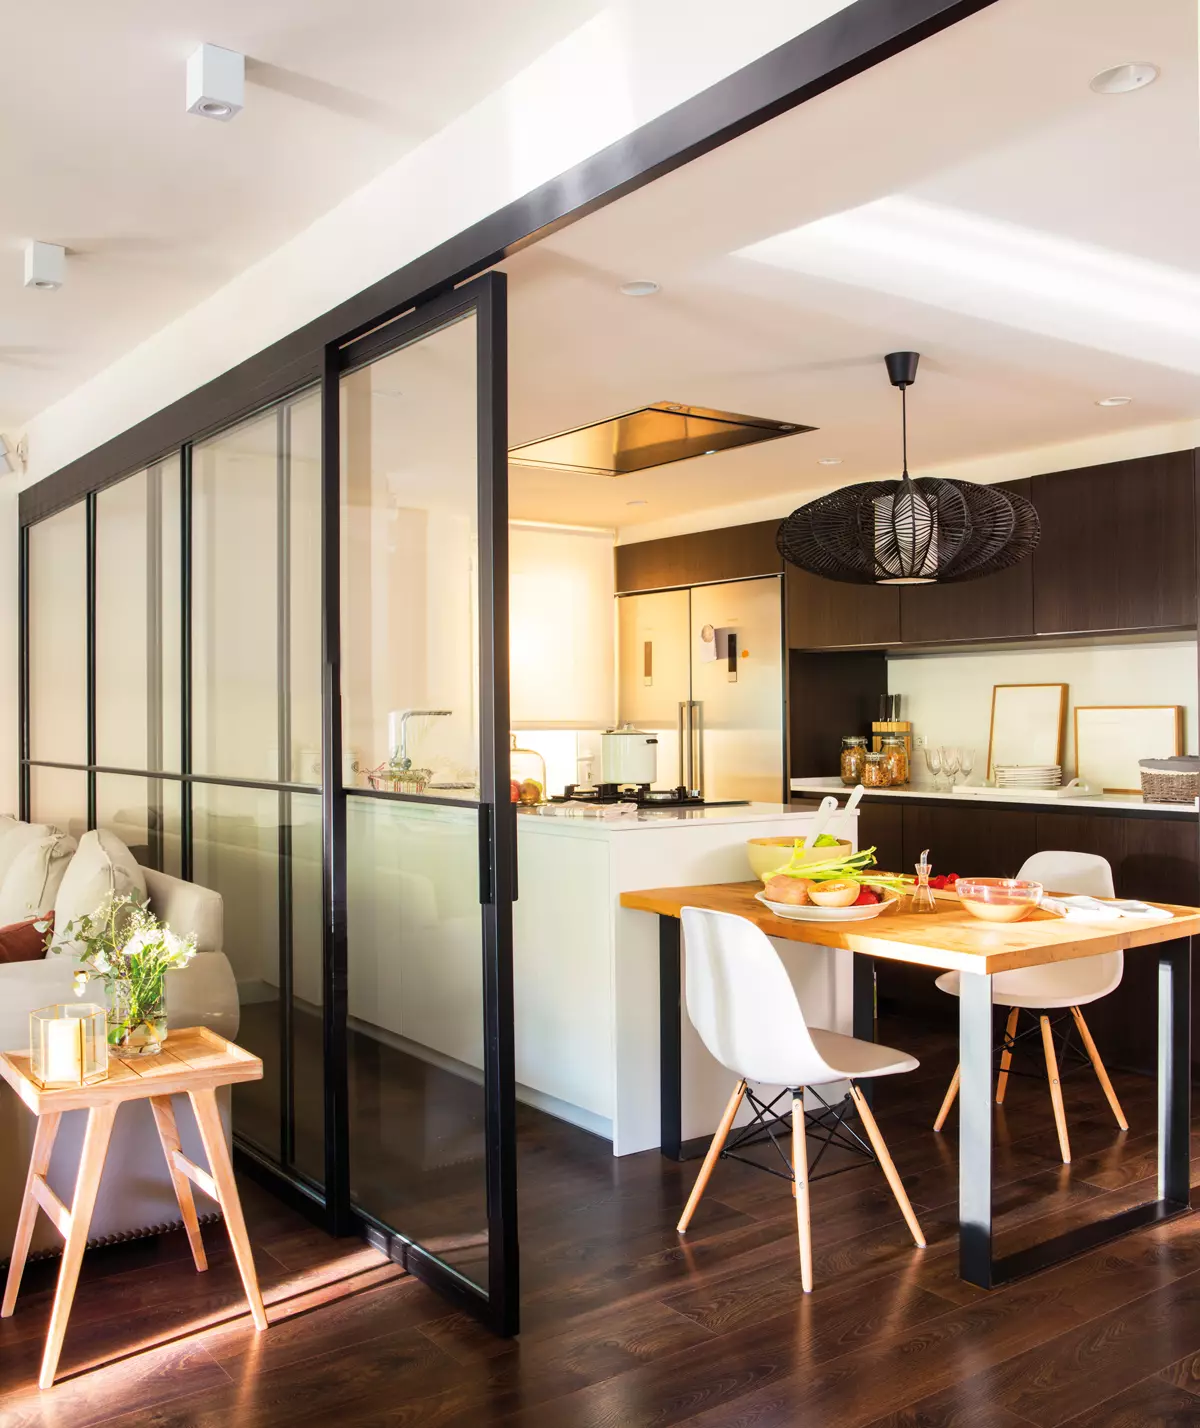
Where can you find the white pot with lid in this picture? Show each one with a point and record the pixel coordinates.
(628, 755)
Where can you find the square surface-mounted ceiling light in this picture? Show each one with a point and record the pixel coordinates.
(649, 436)
(45, 265)
(216, 82)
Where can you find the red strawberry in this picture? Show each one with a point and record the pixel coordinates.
(865, 897)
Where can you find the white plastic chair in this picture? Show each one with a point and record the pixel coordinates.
(1060, 985)
(741, 1001)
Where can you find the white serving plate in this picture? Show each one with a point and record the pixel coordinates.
(809, 912)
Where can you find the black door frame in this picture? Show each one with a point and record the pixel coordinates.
(486, 297)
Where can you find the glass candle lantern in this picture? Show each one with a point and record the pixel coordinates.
(68, 1046)
(527, 772)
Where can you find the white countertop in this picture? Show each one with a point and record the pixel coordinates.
(649, 818)
(1125, 801)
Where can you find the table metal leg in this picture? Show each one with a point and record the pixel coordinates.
(865, 1011)
(975, 1129)
(1175, 1072)
(976, 1262)
(670, 1046)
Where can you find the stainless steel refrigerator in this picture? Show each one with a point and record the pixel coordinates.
(703, 668)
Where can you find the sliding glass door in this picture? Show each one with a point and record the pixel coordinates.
(428, 828)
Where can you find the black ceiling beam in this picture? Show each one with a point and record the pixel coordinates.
(846, 44)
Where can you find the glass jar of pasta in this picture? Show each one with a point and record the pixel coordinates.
(876, 772)
(895, 751)
(854, 756)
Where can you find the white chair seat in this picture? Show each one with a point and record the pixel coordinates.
(1061, 984)
(856, 1060)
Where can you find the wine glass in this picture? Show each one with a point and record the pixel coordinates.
(950, 764)
(933, 761)
(967, 764)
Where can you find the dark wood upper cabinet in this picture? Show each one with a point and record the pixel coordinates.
(996, 607)
(1118, 548)
(735, 553)
(830, 693)
(828, 614)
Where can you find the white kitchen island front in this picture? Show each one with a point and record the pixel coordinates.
(586, 969)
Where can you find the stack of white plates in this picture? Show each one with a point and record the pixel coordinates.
(1028, 775)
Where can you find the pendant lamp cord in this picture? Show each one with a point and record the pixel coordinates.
(904, 425)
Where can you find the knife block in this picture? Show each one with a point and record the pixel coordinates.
(903, 727)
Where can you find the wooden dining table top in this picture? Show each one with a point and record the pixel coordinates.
(950, 939)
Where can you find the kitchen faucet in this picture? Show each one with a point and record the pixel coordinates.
(408, 714)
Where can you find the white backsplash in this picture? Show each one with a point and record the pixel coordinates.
(948, 696)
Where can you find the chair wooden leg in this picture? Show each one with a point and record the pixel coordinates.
(710, 1160)
(39, 1164)
(1060, 1114)
(1101, 1074)
(212, 1134)
(800, 1173)
(949, 1101)
(1006, 1055)
(885, 1160)
(87, 1184)
(168, 1134)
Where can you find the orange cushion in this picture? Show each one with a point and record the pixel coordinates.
(22, 942)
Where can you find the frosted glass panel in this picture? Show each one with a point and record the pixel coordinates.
(138, 561)
(144, 814)
(58, 637)
(410, 562)
(256, 626)
(59, 797)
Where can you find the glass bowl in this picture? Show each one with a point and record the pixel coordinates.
(998, 899)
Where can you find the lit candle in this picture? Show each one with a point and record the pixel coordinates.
(64, 1051)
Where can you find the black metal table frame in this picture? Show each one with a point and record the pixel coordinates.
(977, 1262)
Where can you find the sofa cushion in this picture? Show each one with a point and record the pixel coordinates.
(102, 868)
(188, 909)
(23, 941)
(18, 836)
(30, 886)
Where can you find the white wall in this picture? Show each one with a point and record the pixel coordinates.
(948, 697)
(9, 746)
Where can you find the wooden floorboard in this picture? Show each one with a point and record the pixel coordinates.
(629, 1325)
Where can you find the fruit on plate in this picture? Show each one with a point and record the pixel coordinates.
(530, 791)
(837, 892)
(514, 790)
(793, 891)
(867, 897)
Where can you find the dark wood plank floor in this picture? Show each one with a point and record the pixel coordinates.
(628, 1326)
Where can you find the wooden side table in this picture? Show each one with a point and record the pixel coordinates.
(195, 1062)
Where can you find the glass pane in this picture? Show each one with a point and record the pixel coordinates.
(58, 637)
(410, 561)
(256, 616)
(144, 814)
(261, 851)
(138, 620)
(59, 797)
(417, 1149)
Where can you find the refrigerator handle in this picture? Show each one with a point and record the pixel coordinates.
(685, 741)
(697, 723)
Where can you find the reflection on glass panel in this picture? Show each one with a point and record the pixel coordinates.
(261, 850)
(59, 797)
(58, 637)
(416, 1026)
(144, 814)
(410, 560)
(138, 620)
(256, 626)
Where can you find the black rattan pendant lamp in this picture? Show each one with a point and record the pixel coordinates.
(909, 532)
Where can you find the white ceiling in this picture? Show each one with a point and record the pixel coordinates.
(158, 208)
(971, 199)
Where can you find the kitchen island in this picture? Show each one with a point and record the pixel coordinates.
(586, 969)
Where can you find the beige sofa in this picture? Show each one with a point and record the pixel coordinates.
(136, 1196)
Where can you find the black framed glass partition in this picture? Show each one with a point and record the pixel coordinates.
(321, 587)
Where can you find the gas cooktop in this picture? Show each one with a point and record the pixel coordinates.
(641, 794)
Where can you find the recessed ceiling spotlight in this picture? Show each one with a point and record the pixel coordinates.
(216, 82)
(713, 452)
(829, 460)
(637, 503)
(640, 287)
(1124, 78)
(1114, 401)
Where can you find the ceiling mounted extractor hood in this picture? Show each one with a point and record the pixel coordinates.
(649, 436)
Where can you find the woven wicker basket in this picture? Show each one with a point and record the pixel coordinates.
(1170, 780)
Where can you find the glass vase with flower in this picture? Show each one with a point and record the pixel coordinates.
(125, 946)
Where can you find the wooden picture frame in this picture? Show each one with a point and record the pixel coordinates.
(1111, 738)
(1033, 720)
